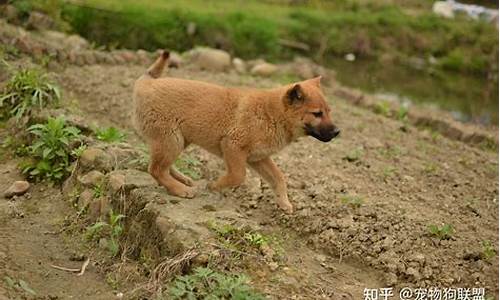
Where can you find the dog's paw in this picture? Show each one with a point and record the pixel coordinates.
(185, 192)
(286, 207)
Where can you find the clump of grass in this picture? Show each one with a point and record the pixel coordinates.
(110, 230)
(383, 108)
(26, 90)
(51, 153)
(444, 232)
(110, 135)
(189, 166)
(488, 250)
(351, 200)
(205, 283)
(353, 155)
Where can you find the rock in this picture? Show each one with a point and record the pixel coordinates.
(85, 198)
(16, 189)
(39, 21)
(211, 59)
(143, 56)
(175, 60)
(10, 12)
(391, 279)
(76, 42)
(95, 159)
(91, 179)
(443, 9)
(413, 273)
(116, 182)
(265, 69)
(350, 57)
(239, 65)
(129, 179)
(29, 46)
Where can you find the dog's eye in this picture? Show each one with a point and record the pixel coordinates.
(318, 114)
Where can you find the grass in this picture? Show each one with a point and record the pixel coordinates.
(354, 155)
(110, 230)
(205, 283)
(444, 232)
(26, 90)
(110, 135)
(351, 200)
(188, 166)
(488, 250)
(51, 153)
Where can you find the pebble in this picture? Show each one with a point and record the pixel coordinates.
(16, 189)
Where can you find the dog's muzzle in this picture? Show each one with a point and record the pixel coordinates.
(323, 133)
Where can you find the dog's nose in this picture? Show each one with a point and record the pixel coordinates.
(335, 132)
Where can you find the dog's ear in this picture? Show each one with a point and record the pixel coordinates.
(317, 81)
(295, 95)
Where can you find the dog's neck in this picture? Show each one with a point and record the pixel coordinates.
(284, 128)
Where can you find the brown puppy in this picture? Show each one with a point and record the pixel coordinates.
(243, 126)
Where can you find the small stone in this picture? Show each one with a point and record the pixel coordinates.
(391, 279)
(16, 189)
(239, 65)
(103, 243)
(95, 159)
(91, 179)
(265, 69)
(116, 182)
(39, 21)
(273, 266)
(85, 198)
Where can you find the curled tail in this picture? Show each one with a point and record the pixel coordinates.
(157, 67)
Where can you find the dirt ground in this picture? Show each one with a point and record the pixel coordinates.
(363, 205)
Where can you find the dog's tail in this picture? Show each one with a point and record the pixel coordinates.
(157, 67)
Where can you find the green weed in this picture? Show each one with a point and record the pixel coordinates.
(352, 200)
(204, 283)
(110, 230)
(443, 233)
(488, 250)
(353, 155)
(383, 108)
(188, 166)
(51, 150)
(19, 285)
(26, 90)
(110, 135)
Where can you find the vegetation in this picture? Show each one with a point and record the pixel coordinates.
(110, 135)
(330, 28)
(204, 283)
(111, 231)
(353, 201)
(189, 166)
(26, 90)
(442, 232)
(488, 250)
(51, 153)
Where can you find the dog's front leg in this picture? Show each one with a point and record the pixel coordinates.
(235, 159)
(273, 175)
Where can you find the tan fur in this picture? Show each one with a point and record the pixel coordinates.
(243, 126)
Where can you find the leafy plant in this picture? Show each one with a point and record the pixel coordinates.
(19, 285)
(443, 233)
(383, 108)
(110, 135)
(51, 150)
(205, 283)
(488, 250)
(110, 230)
(256, 239)
(27, 89)
(97, 190)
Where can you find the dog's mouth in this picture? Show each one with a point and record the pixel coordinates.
(324, 134)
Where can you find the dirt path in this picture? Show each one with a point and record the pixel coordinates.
(31, 241)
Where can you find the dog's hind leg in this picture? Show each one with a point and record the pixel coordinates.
(163, 154)
(268, 170)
